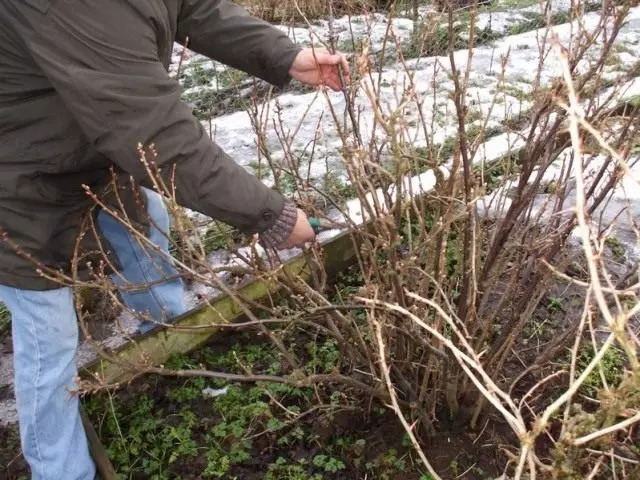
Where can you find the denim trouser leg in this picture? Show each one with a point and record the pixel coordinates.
(45, 340)
(143, 266)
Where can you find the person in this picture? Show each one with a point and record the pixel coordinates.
(85, 89)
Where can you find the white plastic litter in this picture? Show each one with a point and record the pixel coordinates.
(214, 392)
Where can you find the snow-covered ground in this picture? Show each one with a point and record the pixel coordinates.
(308, 112)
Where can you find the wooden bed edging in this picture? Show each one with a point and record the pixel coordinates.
(158, 345)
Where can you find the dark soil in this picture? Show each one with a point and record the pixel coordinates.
(12, 464)
(450, 454)
(371, 444)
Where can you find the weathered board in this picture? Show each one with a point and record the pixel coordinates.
(156, 346)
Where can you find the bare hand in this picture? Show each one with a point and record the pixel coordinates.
(302, 233)
(316, 66)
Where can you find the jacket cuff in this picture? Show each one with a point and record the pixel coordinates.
(281, 230)
(282, 65)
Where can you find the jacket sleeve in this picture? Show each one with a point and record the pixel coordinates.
(103, 62)
(224, 31)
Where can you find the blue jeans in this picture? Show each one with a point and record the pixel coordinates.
(45, 340)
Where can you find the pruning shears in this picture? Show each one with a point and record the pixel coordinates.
(320, 224)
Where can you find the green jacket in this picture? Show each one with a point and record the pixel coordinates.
(82, 84)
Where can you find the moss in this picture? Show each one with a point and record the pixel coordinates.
(611, 366)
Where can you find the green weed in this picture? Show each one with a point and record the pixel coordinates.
(337, 188)
(617, 249)
(611, 368)
(388, 465)
(328, 464)
(554, 304)
(167, 432)
(512, 4)
(158, 437)
(5, 317)
(260, 170)
(219, 236)
(209, 101)
(281, 470)
(495, 174)
(196, 75)
(324, 356)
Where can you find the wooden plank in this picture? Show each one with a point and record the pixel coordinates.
(98, 452)
(158, 345)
